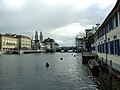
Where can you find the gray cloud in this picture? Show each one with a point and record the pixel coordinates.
(36, 15)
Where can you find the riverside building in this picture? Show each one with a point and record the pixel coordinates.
(80, 41)
(14, 42)
(80, 44)
(106, 42)
(50, 44)
(8, 42)
(24, 42)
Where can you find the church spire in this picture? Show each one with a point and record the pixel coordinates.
(41, 37)
(36, 37)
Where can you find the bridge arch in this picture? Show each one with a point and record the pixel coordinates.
(15, 52)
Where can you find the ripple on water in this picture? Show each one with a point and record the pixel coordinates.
(13, 86)
(68, 74)
(88, 88)
(3, 78)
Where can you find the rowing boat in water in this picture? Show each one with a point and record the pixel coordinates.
(94, 66)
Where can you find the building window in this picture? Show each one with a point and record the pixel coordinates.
(116, 47)
(103, 48)
(93, 48)
(114, 37)
(98, 48)
(112, 23)
(106, 48)
(111, 48)
(116, 20)
(106, 29)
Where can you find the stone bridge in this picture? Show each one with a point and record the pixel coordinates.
(24, 51)
(12, 52)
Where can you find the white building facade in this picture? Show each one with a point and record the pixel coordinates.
(80, 43)
(14, 42)
(8, 42)
(107, 38)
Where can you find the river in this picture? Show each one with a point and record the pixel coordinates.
(28, 72)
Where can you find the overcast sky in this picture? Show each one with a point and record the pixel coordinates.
(61, 20)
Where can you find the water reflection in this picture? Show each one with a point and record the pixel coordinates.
(28, 72)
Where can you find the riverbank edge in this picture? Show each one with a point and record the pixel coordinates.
(105, 81)
(105, 75)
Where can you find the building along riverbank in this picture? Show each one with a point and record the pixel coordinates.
(106, 40)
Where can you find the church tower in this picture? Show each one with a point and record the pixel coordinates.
(36, 37)
(41, 37)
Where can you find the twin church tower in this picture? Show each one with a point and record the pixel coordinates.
(40, 38)
(39, 44)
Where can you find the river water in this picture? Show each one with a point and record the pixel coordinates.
(28, 72)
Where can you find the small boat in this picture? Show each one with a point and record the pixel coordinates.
(61, 58)
(47, 65)
(94, 66)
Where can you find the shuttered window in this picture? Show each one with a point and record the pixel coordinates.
(111, 48)
(106, 48)
(102, 48)
(117, 47)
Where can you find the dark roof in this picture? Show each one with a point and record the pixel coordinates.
(22, 36)
(49, 40)
(8, 35)
(14, 35)
(56, 44)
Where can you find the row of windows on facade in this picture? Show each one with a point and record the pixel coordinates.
(114, 37)
(14, 44)
(15, 48)
(6, 40)
(26, 44)
(11, 41)
(10, 48)
(112, 47)
(112, 24)
(26, 40)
